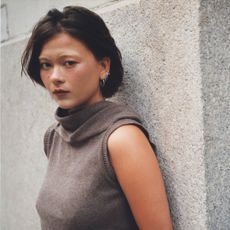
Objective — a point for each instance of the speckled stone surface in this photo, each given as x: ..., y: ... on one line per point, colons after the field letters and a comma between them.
x: 160, y: 46
x: 176, y: 58
x: 22, y: 15
x: 26, y: 112
x: 215, y: 72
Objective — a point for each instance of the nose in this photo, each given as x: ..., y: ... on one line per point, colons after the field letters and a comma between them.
x: 56, y: 76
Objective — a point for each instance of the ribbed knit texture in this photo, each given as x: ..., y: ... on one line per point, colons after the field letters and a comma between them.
x: 80, y: 190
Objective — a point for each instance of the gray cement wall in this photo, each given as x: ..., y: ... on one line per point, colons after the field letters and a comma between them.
x: 19, y: 16
x: 160, y: 44
x: 215, y: 73
x: 176, y: 60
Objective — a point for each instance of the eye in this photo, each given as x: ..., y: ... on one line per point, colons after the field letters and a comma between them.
x: 45, y: 65
x: 70, y: 63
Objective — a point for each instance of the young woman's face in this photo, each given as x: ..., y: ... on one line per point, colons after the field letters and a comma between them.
x: 70, y: 72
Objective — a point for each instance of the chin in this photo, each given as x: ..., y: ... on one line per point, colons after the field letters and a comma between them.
x: 66, y: 106
x: 69, y: 106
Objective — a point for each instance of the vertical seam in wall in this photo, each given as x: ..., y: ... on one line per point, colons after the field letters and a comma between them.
x: 202, y: 112
x: 7, y: 24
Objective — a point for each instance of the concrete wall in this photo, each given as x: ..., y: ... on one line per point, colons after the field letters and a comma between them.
x: 160, y: 45
x: 215, y: 72
x: 176, y: 60
x: 18, y: 17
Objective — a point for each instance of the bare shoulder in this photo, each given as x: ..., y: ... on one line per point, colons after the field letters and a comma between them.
x: 129, y: 139
x: 138, y: 173
x: 127, y: 129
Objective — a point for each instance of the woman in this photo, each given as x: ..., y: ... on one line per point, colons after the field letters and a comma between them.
x: 102, y: 171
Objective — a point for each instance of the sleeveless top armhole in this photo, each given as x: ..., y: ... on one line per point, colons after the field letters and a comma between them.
x: 47, y: 140
x: 106, y: 157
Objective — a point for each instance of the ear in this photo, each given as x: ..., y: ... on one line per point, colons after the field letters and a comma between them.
x: 105, y: 67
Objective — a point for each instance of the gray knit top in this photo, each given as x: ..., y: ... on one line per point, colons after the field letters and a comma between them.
x: 80, y: 190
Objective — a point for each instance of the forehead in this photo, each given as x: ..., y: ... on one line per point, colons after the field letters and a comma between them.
x: 64, y: 42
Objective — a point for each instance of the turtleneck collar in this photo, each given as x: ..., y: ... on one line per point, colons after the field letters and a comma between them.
x: 81, y: 123
x: 74, y: 118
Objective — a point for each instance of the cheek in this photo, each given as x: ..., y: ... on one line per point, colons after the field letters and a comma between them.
x: 84, y: 76
x: 44, y: 79
x: 80, y: 82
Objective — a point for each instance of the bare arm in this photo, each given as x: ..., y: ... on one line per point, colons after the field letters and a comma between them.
x: 139, y: 175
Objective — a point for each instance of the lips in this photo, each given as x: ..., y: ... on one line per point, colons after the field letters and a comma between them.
x: 59, y: 91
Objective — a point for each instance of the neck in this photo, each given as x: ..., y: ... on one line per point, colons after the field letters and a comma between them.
x: 82, y: 106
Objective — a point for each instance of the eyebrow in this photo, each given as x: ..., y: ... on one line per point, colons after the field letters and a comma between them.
x: 60, y: 56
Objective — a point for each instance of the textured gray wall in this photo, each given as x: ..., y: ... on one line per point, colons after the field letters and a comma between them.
x: 19, y: 16
x: 26, y: 113
x: 176, y: 60
x: 215, y: 68
x: 160, y: 45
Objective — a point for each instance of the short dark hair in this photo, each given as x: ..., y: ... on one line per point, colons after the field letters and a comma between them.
x: 84, y: 25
